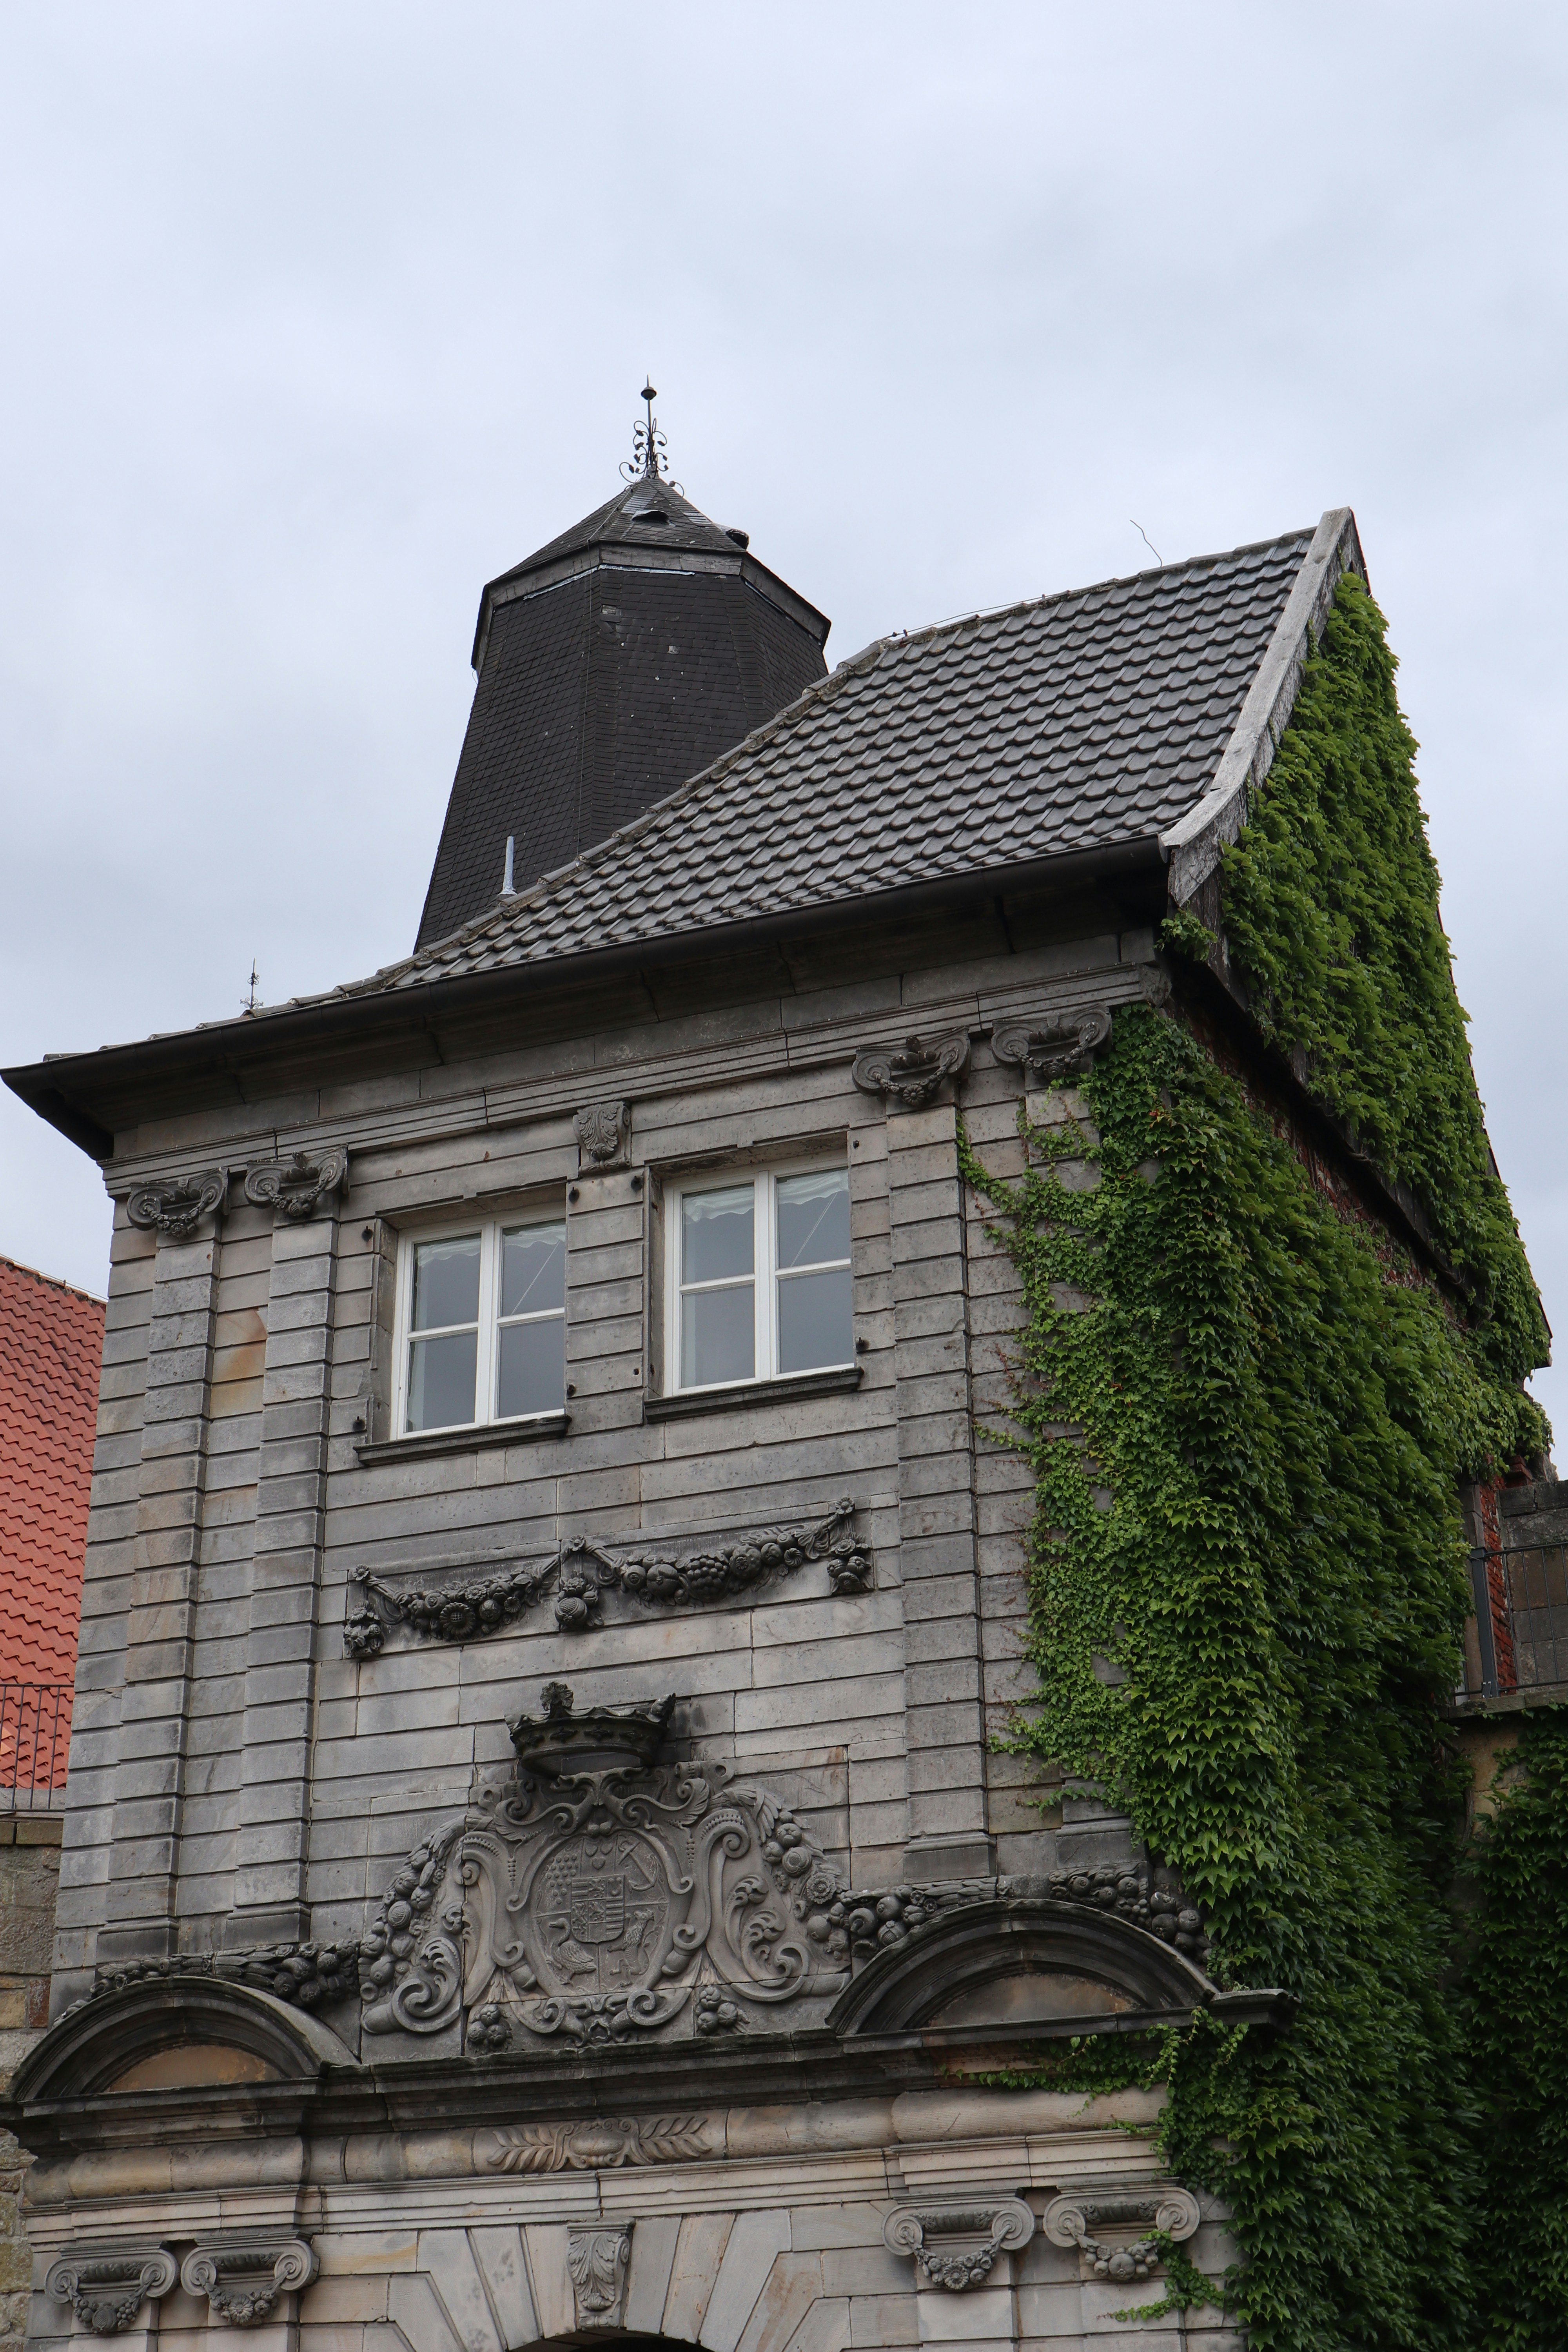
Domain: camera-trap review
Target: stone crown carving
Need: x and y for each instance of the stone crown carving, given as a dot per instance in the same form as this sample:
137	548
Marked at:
174	1205
1169	2214
911	1073
297	1187
243	2278
601	1132
107	2285
1062	1048
968	2238
581	1572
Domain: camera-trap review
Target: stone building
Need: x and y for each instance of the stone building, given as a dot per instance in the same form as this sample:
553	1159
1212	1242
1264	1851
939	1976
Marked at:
538	1862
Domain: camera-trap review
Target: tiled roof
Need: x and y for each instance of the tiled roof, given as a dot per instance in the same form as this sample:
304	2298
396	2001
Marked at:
51	1344
1076	722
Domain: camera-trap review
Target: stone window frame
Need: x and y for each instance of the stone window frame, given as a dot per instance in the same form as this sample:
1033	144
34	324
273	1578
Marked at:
489	1222
762	1174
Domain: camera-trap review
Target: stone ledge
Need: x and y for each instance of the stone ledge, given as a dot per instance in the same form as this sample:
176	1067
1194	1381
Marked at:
683	1403
419	1448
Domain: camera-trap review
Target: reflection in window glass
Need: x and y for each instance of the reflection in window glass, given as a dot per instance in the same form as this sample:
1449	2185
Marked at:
718	1335
814	1324
532	1374
441	1381
716	1235
446	1282
815	1327
534	1270
813	1218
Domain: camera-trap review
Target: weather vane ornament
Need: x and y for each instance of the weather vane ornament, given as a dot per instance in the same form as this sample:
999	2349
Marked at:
647	461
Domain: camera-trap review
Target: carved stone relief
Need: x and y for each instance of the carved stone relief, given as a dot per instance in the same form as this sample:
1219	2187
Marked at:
591	1895
106	2286
174	1205
296	1188
597	2144
601	1130
581	1572
1064	1047
1172	2213
243	2278
911	1073
596	2262
968	2238
1130	1890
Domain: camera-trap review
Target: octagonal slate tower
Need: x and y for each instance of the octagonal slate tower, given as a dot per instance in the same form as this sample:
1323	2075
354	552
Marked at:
615	662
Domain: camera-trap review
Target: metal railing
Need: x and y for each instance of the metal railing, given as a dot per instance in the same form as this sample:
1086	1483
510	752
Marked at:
35	1746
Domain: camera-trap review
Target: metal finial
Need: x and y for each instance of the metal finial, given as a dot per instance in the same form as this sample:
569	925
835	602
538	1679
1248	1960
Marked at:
647	460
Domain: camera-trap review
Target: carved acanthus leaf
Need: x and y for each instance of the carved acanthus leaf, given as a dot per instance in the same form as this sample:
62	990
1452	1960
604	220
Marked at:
296	1188
913	1072
600	1131
174	1205
599	2143
596	2262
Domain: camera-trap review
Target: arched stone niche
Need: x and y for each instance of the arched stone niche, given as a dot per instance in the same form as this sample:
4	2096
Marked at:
176	2033
1032	1965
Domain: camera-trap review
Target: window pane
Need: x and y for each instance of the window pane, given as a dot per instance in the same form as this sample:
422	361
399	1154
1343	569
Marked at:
718	1335
814	1216
441	1381
532	1269
446	1285
716	1233
533	1367
814	1321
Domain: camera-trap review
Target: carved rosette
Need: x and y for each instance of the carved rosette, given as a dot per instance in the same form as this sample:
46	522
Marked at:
911	1075
296	1188
600	1131
1166	2214
174	1205
593	1893
106	2286
243	2278
596	2263
956	2246
580	1573
1064	1047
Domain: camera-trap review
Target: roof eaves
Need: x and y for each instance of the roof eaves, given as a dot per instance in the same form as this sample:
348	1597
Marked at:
1194	842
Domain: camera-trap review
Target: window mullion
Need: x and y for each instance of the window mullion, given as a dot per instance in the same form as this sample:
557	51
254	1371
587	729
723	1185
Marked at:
402	1321
764	1254
485	1370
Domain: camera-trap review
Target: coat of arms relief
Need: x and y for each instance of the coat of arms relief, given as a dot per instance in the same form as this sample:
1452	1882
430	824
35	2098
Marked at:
595	1893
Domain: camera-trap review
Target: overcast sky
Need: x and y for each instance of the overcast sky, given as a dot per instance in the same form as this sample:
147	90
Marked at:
316	317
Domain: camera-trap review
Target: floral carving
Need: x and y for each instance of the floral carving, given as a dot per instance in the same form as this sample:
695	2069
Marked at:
976	2234
596	2263
581	1573
1129	1890
174	1205
597	2145
106	2286
1060	1048
911	1073
591	1895
306	1974
1173	2214
243	2278
600	1131
297	1187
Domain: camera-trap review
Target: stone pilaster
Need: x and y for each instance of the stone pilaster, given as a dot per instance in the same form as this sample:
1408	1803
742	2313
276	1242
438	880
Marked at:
150	1772
937	1517
279	1668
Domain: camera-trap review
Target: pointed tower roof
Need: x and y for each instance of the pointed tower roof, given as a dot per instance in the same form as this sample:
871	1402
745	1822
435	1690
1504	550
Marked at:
614	662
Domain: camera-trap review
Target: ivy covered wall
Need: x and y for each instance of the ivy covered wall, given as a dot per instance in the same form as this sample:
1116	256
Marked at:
1248	1414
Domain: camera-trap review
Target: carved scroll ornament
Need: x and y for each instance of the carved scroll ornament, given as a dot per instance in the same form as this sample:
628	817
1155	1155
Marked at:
1172	2213
596	2261
243	2278
911	1073
1060	1048
174	1205
296	1188
968	2238
107	2285
600	1131
580	1573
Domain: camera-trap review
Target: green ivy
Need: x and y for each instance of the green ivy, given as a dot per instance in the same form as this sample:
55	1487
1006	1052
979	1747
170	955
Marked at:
1516	2013
1248	1415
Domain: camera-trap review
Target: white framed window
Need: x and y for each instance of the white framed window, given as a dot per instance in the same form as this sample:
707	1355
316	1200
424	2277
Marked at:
758	1276
481	1324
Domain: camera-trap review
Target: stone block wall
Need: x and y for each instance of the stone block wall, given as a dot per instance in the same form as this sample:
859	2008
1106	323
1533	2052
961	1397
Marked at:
29	1882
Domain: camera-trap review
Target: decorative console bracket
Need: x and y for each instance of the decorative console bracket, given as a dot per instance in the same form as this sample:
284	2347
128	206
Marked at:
597	2260
1166	2213
600	1131
107	2285
1063	1047
296	1188
913	1073
243	2278
972	2235
174	1205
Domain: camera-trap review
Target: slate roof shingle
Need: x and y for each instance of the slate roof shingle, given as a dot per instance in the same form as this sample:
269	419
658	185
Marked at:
1079	721
51	1345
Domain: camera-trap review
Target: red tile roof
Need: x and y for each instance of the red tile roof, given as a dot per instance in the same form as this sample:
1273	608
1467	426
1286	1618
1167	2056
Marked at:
51	1344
